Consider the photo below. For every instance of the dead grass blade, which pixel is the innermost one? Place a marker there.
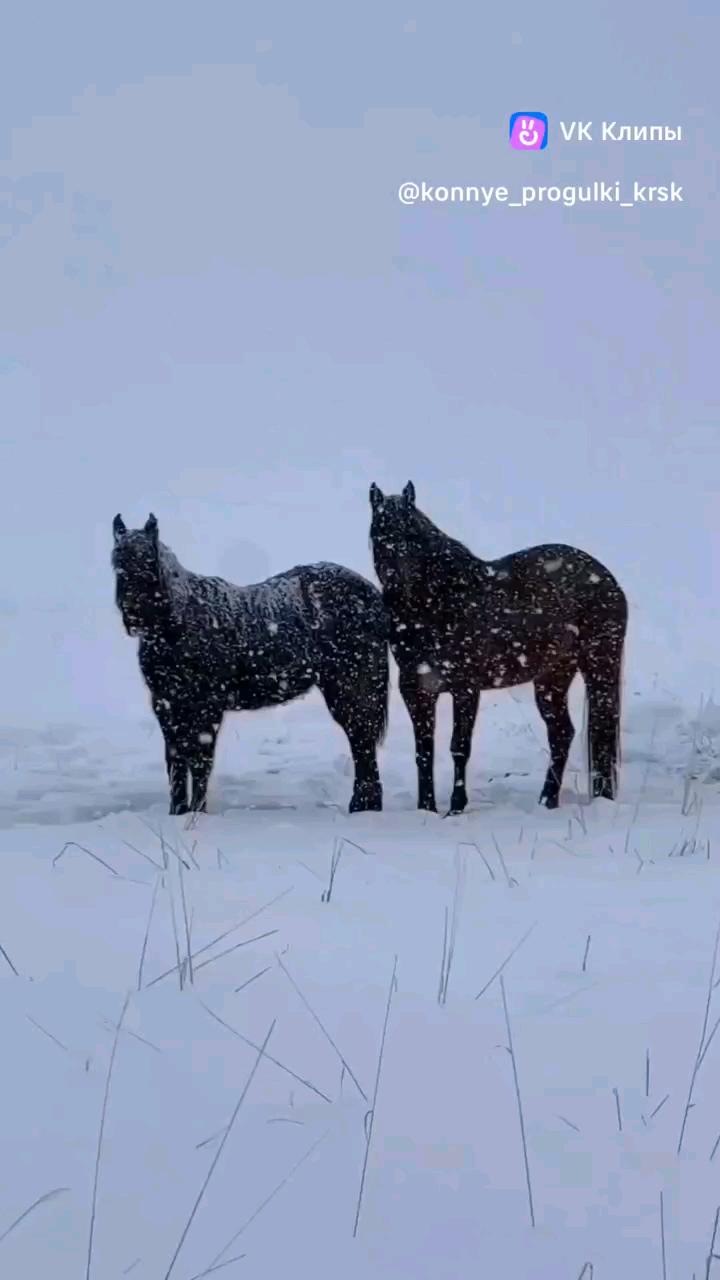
(518, 1097)
(254, 978)
(228, 950)
(73, 844)
(147, 933)
(662, 1236)
(702, 1045)
(251, 1045)
(101, 1134)
(188, 949)
(506, 961)
(712, 1256)
(216, 1263)
(226, 934)
(370, 1117)
(217, 1155)
(49, 1195)
(7, 959)
(450, 935)
(323, 1029)
(47, 1033)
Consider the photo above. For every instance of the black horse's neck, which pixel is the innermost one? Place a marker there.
(144, 593)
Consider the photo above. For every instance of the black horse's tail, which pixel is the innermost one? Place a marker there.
(602, 670)
(379, 690)
(370, 663)
(352, 634)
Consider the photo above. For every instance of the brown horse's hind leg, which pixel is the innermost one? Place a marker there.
(551, 696)
(602, 672)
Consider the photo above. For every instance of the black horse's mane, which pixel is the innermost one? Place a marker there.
(440, 546)
(440, 563)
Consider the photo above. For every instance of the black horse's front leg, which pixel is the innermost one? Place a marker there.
(202, 757)
(176, 754)
(465, 706)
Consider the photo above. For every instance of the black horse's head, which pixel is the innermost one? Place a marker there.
(399, 540)
(138, 586)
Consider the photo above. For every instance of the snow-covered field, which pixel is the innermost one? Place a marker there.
(210, 1158)
(213, 306)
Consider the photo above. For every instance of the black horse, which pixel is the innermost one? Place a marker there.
(459, 625)
(208, 646)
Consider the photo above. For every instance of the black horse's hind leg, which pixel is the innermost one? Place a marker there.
(367, 791)
(359, 725)
(551, 696)
(201, 762)
(177, 771)
(465, 705)
(421, 702)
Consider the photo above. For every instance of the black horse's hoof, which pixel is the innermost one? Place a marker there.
(179, 810)
(549, 802)
(366, 804)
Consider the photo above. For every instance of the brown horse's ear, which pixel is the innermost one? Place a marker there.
(118, 528)
(377, 497)
(151, 526)
(409, 494)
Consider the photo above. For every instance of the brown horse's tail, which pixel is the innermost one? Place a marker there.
(602, 670)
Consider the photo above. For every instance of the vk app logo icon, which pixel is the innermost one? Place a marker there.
(528, 130)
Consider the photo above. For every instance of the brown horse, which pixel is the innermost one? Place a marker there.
(459, 625)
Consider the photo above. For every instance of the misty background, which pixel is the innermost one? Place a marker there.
(213, 306)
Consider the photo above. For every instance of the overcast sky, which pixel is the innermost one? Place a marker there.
(213, 306)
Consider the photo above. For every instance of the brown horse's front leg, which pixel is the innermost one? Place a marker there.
(421, 702)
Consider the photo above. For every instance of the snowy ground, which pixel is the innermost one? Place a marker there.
(618, 907)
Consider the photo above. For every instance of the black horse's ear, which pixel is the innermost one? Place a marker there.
(408, 494)
(377, 497)
(118, 527)
(151, 526)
